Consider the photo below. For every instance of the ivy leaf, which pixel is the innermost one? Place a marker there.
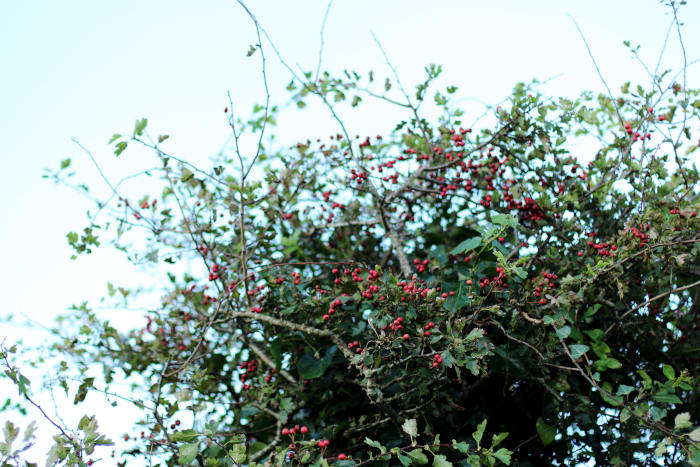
(563, 332)
(577, 350)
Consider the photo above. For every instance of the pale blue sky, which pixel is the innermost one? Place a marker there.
(87, 69)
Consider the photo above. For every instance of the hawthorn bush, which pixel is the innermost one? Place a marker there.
(438, 295)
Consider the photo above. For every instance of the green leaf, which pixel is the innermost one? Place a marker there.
(418, 457)
(577, 350)
(503, 455)
(563, 332)
(441, 461)
(682, 421)
(185, 435)
(545, 432)
(695, 435)
(496, 439)
(310, 367)
(623, 390)
(466, 245)
(410, 427)
(375, 444)
(251, 51)
(461, 446)
(237, 453)
(479, 433)
(668, 398)
(10, 431)
(595, 334)
(406, 461)
(669, 372)
(65, 163)
(82, 390)
(612, 363)
(505, 220)
(140, 126)
(186, 175)
(121, 146)
(188, 452)
(114, 137)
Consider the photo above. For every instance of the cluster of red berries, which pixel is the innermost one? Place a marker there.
(355, 345)
(427, 328)
(358, 177)
(604, 249)
(394, 325)
(437, 360)
(640, 235)
(370, 291)
(635, 134)
(294, 430)
(214, 273)
(420, 265)
(682, 215)
(248, 369)
(145, 205)
(332, 309)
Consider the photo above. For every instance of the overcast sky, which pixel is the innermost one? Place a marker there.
(88, 69)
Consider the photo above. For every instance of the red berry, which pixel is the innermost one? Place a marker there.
(341, 457)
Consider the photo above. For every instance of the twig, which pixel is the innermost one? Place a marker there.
(320, 49)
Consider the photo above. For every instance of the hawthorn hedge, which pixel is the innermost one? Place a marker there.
(439, 294)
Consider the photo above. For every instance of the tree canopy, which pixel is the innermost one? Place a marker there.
(441, 294)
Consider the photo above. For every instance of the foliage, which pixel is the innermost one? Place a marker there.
(368, 298)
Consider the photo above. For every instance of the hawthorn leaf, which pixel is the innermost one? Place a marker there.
(466, 245)
(440, 460)
(188, 452)
(410, 427)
